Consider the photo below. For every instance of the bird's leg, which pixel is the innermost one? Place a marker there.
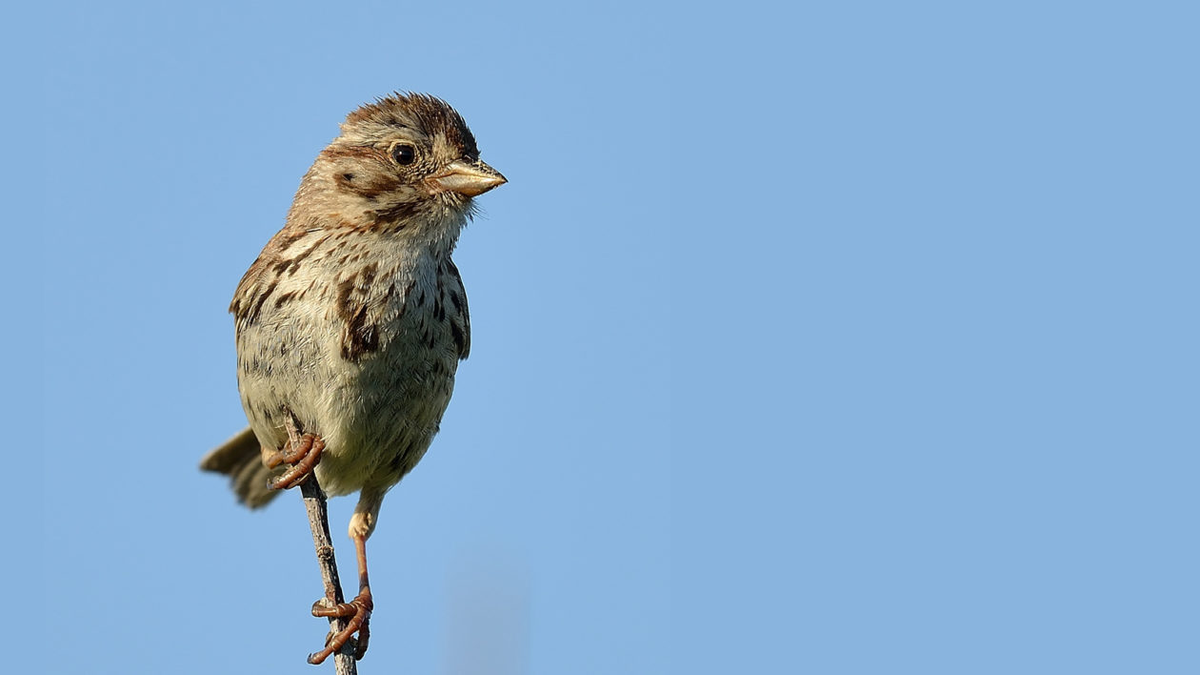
(358, 610)
(303, 455)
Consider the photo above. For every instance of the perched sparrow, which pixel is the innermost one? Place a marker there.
(352, 321)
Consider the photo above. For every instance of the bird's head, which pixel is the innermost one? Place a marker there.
(406, 161)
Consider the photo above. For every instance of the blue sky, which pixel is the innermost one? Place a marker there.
(854, 338)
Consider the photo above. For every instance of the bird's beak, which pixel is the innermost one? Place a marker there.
(466, 178)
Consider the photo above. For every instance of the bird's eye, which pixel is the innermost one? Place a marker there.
(404, 153)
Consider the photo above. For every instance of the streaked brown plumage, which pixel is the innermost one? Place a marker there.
(353, 318)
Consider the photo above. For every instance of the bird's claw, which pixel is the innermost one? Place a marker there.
(358, 611)
(303, 458)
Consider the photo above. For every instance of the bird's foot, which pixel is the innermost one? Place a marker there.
(358, 611)
(303, 457)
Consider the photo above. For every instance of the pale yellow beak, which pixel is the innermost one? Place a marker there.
(466, 178)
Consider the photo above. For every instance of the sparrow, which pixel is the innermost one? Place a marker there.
(352, 321)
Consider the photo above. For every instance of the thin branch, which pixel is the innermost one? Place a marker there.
(318, 520)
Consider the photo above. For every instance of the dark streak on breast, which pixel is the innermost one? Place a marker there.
(284, 298)
(460, 339)
(460, 320)
(256, 308)
(290, 265)
(359, 337)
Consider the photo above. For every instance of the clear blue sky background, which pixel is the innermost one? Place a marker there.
(828, 338)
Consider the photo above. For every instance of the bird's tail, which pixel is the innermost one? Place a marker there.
(241, 459)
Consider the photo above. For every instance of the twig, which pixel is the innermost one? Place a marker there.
(318, 520)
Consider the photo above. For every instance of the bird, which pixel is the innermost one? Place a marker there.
(352, 321)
